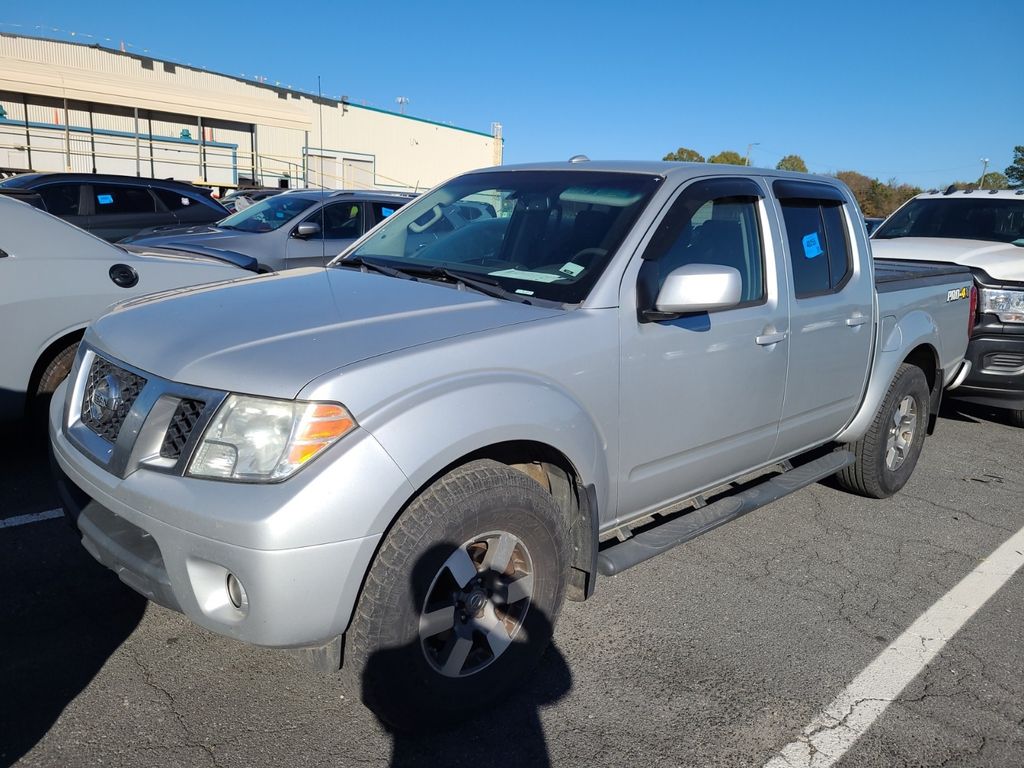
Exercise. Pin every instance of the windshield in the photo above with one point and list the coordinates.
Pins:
(269, 214)
(997, 220)
(542, 234)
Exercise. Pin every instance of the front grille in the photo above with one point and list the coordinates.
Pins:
(110, 392)
(1004, 362)
(182, 423)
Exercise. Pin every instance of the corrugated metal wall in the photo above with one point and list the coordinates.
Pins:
(92, 108)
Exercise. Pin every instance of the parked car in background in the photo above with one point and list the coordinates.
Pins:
(114, 207)
(871, 223)
(299, 228)
(984, 231)
(429, 444)
(240, 199)
(55, 279)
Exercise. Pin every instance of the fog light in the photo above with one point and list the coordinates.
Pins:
(236, 592)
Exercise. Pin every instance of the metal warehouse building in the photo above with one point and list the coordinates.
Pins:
(69, 106)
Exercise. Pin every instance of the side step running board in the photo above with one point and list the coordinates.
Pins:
(679, 530)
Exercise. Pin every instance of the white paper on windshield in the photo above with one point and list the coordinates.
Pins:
(522, 274)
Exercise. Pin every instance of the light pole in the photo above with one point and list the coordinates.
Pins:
(750, 146)
(984, 170)
(402, 101)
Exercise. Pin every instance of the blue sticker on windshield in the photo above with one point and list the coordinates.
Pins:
(104, 199)
(385, 212)
(812, 247)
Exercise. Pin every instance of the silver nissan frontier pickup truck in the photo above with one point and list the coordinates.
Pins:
(527, 378)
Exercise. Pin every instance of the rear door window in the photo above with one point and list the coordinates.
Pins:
(113, 199)
(819, 250)
(382, 210)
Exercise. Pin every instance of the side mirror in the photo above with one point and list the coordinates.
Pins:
(306, 230)
(699, 288)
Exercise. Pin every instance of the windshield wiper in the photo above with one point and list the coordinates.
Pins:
(486, 287)
(359, 261)
(420, 272)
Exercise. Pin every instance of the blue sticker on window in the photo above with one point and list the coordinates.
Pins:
(104, 199)
(385, 212)
(812, 247)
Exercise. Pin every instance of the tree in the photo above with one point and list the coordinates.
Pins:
(792, 163)
(728, 157)
(1015, 171)
(993, 180)
(877, 198)
(685, 155)
(860, 185)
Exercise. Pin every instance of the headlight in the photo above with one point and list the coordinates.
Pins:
(1007, 305)
(255, 439)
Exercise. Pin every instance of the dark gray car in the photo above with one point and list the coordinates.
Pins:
(114, 207)
(304, 228)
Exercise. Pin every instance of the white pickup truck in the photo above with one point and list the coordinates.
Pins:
(425, 446)
(984, 231)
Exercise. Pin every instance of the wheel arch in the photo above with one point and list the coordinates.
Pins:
(49, 352)
(923, 354)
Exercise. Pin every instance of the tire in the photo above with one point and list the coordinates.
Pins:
(1017, 418)
(57, 370)
(888, 452)
(424, 645)
(53, 374)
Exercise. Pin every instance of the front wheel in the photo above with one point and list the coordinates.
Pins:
(460, 601)
(888, 452)
(1017, 417)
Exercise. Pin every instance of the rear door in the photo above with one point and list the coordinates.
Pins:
(701, 395)
(341, 223)
(832, 323)
(120, 210)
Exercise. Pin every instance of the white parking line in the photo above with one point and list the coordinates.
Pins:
(35, 517)
(850, 714)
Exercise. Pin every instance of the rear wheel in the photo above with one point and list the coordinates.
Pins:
(459, 604)
(1017, 417)
(888, 452)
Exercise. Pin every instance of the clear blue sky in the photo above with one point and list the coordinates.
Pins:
(919, 90)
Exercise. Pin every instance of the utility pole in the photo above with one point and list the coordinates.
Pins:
(750, 146)
(984, 170)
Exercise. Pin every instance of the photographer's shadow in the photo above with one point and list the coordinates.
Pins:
(62, 615)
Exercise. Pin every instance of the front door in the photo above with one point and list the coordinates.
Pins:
(701, 395)
(340, 223)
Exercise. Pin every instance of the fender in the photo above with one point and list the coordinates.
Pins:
(897, 340)
(471, 412)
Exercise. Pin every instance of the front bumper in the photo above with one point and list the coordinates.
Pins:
(997, 371)
(299, 548)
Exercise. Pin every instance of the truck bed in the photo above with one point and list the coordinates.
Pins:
(899, 275)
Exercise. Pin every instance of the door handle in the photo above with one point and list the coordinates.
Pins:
(856, 320)
(768, 339)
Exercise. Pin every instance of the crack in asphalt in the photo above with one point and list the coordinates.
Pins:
(147, 679)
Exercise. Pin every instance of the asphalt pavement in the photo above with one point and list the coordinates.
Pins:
(718, 653)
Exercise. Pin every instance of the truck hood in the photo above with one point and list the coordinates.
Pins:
(193, 234)
(272, 335)
(1000, 261)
